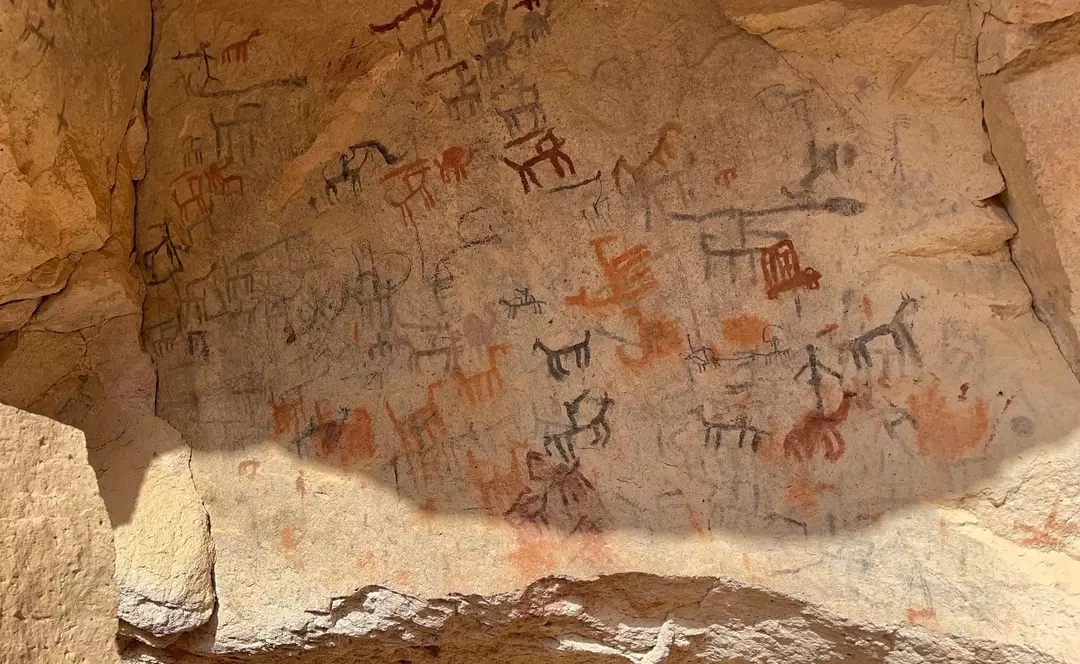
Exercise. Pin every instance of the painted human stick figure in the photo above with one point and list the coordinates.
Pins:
(815, 367)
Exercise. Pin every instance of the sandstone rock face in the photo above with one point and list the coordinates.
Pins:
(561, 620)
(101, 287)
(450, 297)
(1030, 11)
(532, 331)
(1031, 101)
(72, 88)
(57, 594)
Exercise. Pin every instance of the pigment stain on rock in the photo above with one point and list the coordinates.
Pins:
(745, 331)
(948, 432)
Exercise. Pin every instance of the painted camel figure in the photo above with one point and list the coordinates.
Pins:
(819, 430)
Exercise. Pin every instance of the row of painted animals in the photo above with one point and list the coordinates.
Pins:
(581, 351)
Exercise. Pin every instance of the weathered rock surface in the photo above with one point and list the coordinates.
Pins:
(1031, 104)
(73, 139)
(1029, 11)
(57, 593)
(622, 617)
(443, 305)
(447, 298)
(101, 287)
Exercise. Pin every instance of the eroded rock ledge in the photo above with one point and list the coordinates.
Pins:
(622, 617)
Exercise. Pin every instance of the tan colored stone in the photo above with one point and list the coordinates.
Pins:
(1030, 45)
(1033, 11)
(1000, 43)
(350, 383)
(45, 279)
(164, 553)
(103, 383)
(69, 88)
(618, 618)
(57, 594)
(883, 68)
(101, 287)
(163, 546)
(375, 426)
(14, 315)
(35, 362)
(1030, 114)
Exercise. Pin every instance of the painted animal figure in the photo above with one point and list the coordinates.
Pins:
(523, 300)
(598, 425)
(661, 152)
(424, 421)
(412, 176)
(898, 328)
(450, 352)
(580, 351)
(347, 171)
(223, 184)
(526, 101)
(237, 51)
(534, 25)
(548, 148)
(496, 57)
(714, 431)
(194, 182)
(564, 482)
(653, 174)
(492, 20)
(894, 417)
(480, 387)
(454, 161)
(702, 356)
(818, 430)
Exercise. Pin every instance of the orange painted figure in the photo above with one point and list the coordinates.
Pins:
(805, 494)
(481, 386)
(563, 494)
(1051, 535)
(726, 176)
(657, 337)
(247, 468)
(424, 422)
(818, 430)
(286, 414)
(453, 163)
(342, 441)
(497, 489)
(237, 51)
(660, 154)
(628, 276)
(194, 194)
(223, 184)
(780, 266)
(947, 431)
(412, 176)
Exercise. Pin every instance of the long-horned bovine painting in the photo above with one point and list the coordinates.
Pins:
(471, 266)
